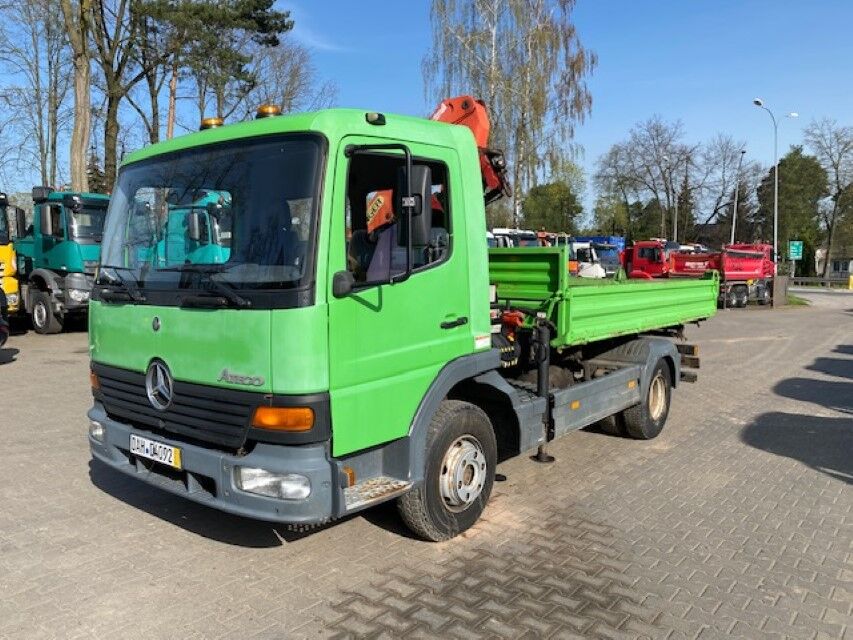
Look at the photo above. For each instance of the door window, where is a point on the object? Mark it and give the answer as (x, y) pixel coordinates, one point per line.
(56, 221)
(375, 239)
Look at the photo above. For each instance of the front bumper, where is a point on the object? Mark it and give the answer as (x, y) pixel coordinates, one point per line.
(208, 474)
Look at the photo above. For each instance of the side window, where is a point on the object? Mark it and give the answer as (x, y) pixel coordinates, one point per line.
(56, 221)
(375, 239)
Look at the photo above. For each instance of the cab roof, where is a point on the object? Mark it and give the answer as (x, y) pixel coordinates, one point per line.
(332, 123)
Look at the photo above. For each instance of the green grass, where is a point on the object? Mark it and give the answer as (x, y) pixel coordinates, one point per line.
(796, 301)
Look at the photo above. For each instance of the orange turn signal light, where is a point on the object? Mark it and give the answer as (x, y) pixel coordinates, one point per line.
(283, 418)
(93, 380)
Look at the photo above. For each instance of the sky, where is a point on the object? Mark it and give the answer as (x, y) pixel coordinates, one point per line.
(697, 61)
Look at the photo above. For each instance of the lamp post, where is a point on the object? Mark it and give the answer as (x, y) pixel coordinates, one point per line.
(758, 102)
(737, 187)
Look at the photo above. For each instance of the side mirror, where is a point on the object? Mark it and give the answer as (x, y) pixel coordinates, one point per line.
(342, 284)
(421, 205)
(45, 222)
(72, 201)
(20, 222)
(193, 226)
(3, 199)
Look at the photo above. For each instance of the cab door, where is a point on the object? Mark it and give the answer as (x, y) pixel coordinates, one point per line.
(387, 342)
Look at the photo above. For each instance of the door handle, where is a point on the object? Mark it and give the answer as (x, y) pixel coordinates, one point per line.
(449, 324)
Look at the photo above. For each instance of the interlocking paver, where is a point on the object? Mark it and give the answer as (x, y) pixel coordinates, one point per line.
(737, 520)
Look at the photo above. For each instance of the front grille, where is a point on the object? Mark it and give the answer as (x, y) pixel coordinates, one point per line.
(199, 412)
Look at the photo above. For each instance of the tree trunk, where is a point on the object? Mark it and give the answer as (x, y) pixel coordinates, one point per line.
(154, 128)
(110, 140)
(173, 91)
(830, 231)
(77, 26)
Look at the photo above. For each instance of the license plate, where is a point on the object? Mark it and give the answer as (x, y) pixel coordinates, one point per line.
(156, 451)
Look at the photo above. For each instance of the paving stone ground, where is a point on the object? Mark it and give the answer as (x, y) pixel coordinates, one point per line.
(736, 522)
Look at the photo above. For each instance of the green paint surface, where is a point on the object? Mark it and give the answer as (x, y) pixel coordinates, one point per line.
(585, 309)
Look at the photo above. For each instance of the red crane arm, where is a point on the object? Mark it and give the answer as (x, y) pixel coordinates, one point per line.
(469, 112)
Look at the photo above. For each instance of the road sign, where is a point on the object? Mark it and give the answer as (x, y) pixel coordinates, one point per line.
(795, 249)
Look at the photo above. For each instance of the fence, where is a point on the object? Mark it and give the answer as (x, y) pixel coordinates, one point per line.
(830, 283)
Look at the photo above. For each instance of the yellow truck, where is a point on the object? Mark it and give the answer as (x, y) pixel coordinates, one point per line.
(8, 269)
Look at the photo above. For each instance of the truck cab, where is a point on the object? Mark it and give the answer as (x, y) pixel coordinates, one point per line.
(648, 258)
(8, 266)
(58, 255)
(589, 266)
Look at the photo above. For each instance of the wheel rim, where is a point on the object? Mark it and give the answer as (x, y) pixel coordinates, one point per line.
(657, 397)
(40, 314)
(463, 473)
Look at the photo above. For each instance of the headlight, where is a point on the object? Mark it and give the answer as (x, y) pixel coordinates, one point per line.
(96, 430)
(12, 299)
(285, 486)
(78, 295)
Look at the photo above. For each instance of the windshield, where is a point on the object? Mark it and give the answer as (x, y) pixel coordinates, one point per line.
(87, 223)
(242, 213)
(584, 254)
(607, 252)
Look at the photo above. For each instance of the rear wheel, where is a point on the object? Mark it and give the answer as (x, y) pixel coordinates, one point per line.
(764, 295)
(461, 455)
(731, 298)
(742, 297)
(44, 320)
(645, 421)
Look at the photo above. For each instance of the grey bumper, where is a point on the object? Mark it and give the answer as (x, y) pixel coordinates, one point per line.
(208, 474)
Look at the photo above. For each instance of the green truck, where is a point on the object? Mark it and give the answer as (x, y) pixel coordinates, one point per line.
(57, 255)
(324, 366)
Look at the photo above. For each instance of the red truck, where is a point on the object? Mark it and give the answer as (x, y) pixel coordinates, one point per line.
(746, 270)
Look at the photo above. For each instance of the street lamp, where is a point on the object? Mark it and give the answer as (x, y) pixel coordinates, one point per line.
(758, 102)
(737, 187)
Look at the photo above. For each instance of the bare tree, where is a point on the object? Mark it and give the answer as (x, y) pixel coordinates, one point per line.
(34, 52)
(832, 145)
(286, 76)
(77, 14)
(525, 59)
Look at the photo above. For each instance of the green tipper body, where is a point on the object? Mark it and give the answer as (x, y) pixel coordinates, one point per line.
(587, 310)
(376, 351)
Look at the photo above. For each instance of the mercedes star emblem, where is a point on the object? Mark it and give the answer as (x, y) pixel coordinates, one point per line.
(158, 385)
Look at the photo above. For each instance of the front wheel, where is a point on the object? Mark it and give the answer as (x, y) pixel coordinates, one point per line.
(460, 457)
(44, 320)
(645, 421)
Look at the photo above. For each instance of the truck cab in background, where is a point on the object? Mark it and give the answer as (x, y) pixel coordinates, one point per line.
(9, 218)
(589, 265)
(648, 258)
(58, 254)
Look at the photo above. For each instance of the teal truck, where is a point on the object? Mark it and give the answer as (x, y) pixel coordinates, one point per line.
(57, 255)
(323, 364)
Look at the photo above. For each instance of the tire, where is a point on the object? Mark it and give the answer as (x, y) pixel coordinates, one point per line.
(44, 321)
(460, 446)
(731, 298)
(742, 297)
(764, 296)
(645, 421)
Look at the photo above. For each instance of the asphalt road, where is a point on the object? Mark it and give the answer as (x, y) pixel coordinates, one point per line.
(736, 522)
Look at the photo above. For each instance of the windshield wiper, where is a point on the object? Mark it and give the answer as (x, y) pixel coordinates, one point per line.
(131, 293)
(228, 296)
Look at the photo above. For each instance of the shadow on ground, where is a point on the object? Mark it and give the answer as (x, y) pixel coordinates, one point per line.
(824, 443)
(839, 367)
(8, 355)
(217, 525)
(832, 395)
(844, 348)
